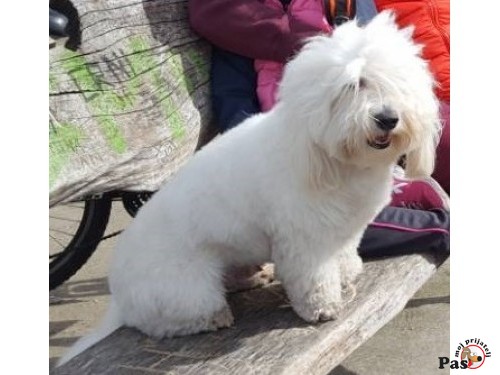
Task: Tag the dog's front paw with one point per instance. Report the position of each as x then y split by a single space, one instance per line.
313 314
351 267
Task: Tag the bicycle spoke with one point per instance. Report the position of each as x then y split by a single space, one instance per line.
80 205
64 222
56 240
65 219
55 255
63 232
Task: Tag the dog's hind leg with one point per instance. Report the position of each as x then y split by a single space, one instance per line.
180 297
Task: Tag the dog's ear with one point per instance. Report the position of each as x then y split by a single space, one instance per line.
465 352
420 161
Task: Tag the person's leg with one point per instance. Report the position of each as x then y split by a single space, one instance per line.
233 88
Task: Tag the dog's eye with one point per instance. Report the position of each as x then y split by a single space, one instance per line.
362 83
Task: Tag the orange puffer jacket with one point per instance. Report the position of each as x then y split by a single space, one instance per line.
432 29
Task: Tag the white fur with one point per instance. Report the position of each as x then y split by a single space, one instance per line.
296 186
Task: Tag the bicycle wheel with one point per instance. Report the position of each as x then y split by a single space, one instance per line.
75 231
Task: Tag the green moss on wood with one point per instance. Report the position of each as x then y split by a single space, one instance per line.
52 82
200 62
147 66
104 101
101 99
112 133
78 69
174 118
64 139
176 67
140 62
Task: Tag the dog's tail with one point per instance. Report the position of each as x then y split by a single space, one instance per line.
111 322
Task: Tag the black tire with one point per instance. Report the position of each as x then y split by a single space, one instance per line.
90 226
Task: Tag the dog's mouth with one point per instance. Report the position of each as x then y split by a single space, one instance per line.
380 142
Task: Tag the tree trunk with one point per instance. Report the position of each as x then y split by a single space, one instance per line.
128 98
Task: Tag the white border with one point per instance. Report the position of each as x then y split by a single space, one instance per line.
475 226
24 186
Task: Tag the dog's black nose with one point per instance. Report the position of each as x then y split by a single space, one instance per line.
386 120
479 358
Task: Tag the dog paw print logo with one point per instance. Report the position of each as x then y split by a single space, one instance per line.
474 355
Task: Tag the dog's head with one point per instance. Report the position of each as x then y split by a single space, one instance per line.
466 353
365 96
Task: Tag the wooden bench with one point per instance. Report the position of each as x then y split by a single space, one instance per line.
268 337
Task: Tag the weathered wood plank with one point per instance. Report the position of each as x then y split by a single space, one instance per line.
268 337
128 105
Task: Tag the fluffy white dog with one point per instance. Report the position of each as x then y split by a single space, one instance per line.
296 186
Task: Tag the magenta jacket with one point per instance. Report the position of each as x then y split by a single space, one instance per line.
269 73
259 29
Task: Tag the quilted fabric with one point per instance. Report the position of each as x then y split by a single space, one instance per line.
431 19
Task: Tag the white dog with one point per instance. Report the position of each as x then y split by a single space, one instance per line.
296 186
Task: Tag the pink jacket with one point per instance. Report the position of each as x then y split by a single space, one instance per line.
269 73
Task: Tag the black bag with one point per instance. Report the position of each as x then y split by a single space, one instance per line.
397 231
